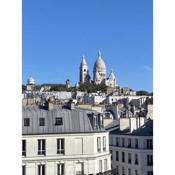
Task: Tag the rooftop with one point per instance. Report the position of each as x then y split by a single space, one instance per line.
145 130
73 121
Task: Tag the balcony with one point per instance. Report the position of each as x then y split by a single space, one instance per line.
42 152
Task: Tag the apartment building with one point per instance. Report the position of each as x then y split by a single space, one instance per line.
132 147
63 142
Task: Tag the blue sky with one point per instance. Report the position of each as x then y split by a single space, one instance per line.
56 33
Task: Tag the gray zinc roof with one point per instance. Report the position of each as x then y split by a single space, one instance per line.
145 130
74 121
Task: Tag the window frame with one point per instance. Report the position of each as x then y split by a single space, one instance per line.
136 162
41 147
60 169
41 169
58 121
129 142
111 152
123 157
98 144
136 143
24 148
117 156
61 146
123 142
149 143
149 160
23 169
117 141
41 121
104 143
129 158
100 166
27 122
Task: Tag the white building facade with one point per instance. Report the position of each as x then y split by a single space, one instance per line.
64 149
132 152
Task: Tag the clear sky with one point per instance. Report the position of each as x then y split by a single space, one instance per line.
56 33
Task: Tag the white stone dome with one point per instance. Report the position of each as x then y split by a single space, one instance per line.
112 76
31 80
99 64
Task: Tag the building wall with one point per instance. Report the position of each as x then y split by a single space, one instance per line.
113 98
75 152
141 151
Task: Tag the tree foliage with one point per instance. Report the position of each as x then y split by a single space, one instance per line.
90 87
141 93
54 87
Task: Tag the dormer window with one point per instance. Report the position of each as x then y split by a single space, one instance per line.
26 121
41 121
58 121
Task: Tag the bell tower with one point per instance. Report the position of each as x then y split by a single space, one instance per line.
83 70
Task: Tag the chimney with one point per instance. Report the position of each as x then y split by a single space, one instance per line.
124 123
50 106
136 122
71 105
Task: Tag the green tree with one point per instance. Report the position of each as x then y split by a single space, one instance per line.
141 93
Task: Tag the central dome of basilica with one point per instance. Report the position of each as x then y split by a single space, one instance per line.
99 64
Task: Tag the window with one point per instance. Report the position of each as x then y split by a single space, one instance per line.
111 154
117 156
98 144
117 170
123 157
136 143
58 121
79 168
60 169
41 147
149 144
123 171
149 160
101 122
129 143
100 165
129 158
136 159
150 173
136 172
41 121
23 170
129 171
105 165
41 169
111 141
95 121
117 141
123 142
23 147
104 143
26 121
60 146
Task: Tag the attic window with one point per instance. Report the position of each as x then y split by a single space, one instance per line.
41 121
58 121
26 121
